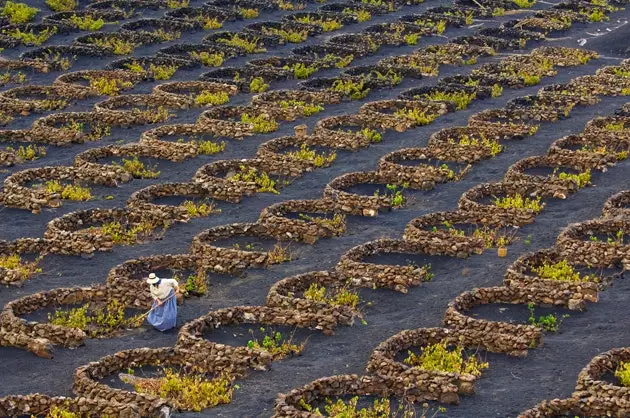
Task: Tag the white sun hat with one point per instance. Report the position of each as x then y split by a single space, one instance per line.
153 279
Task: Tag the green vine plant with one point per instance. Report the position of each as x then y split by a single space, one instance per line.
64 63
96 321
623 373
189 391
127 233
279 254
493 146
300 70
335 297
372 135
208 59
258 85
153 114
517 201
87 22
615 240
248 13
395 193
549 322
441 357
262 124
66 191
327 24
361 15
274 343
380 408
17 78
206 97
165 36
207 147
97 131
492 237
563 271
356 90
291 36
137 168
461 99
417 116
319 160
117 46
337 61
177 4
581 179
199 209
391 77
334 224
28 153
287 5
307 109
23 269
108 86
162 72
31 38
18 12
525 4
192 284
253 175
251 47
62 5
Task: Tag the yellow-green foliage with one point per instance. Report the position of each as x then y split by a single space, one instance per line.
356 90
165 36
623 373
97 321
327 25
207 97
236 41
197 210
530 79
190 392
497 90
162 72
562 271
109 86
18 12
287 5
117 46
362 15
524 4
248 13
381 408
301 71
461 99
59 412
278 254
97 131
30 37
135 67
580 179
63 62
29 152
208 147
62 5
621 72
292 36
334 224
337 61
258 85
614 127
498 11
17 78
69 191
371 134
176 4
418 116
87 22
492 145
438 357
125 234
210 22
517 201
306 108
208 59
274 344
252 175
153 115
597 15
23 269
137 168
263 124
341 297
305 153
193 285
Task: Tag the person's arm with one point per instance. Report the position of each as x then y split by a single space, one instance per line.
175 285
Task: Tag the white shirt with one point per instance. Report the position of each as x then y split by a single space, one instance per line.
162 290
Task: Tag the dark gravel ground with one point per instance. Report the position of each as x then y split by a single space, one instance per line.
508 387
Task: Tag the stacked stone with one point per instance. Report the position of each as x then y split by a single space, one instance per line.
32 98
178 151
517 172
603 150
329 131
141 201
185 89
590 383
618 205
382 112
40 405
508 123
54 127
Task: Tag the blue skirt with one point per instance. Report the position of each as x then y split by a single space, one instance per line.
164 317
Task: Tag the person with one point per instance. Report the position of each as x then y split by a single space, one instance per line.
163 314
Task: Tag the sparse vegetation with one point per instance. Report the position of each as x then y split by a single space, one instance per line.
418 116
116 45
356 90
193 285
292 36
126 233
581 179
258 85
260 178
307 109
251 47
30 37
109 86
549 322
525 4
62 5
491 145
263 123
248 13
273 342
153 114
461 99
438 357
278 254
300 70
305 153
208 59
206 97
623 373
87 22
334 224
208 147
67 191
517 201
137 168
18 12
562 271
18 266
198 210
162 72
176 4
395 193
29 152
336 297
381 408
95 321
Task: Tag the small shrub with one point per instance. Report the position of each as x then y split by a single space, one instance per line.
176 4
191 392
60 412
623 373
260 178
411 38
137 168
356 90
372 135
597 16
248 13
117 46
64 63
18 12
68 191
498 11
380 408
14 263
340 297
395 194
208 59
29 152
263 124
562 271
287 5
461 99
291 36
327 25
30 37
62 5
524 4
197 210
258 85
419 117
210 22
301 71
162 72
306 108
581 179
318 159
250 47
17 78
497 90
211 98
126 234
95 321
153 115
275 344
549 322
438 357
278 254
209 148
87 22
363 16
530 79
517 201
166 36
135 67
336 224
109 86
491 145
